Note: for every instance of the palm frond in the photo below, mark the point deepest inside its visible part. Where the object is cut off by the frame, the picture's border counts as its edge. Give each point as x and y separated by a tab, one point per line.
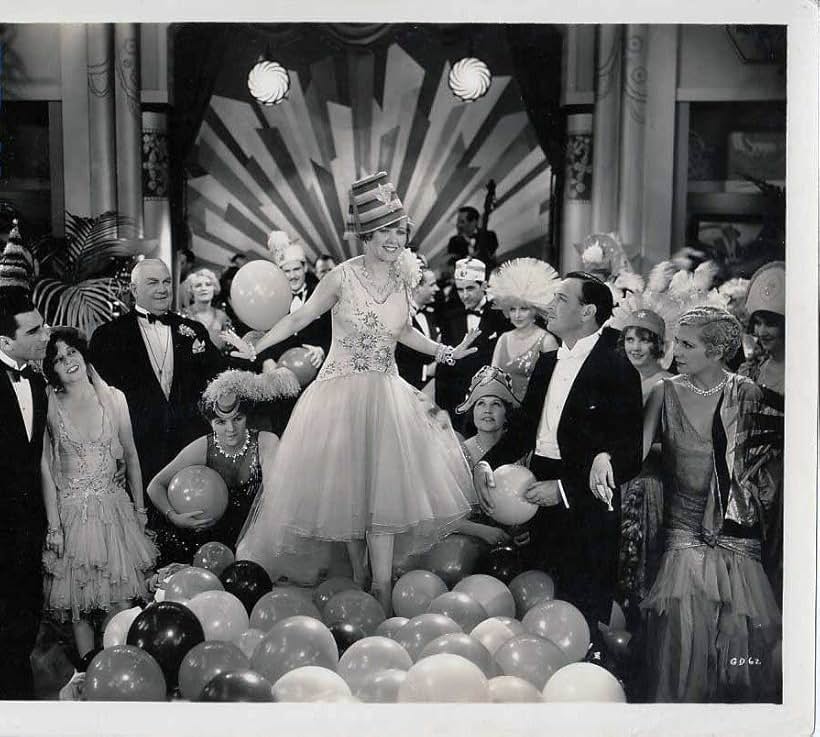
94	243
85	305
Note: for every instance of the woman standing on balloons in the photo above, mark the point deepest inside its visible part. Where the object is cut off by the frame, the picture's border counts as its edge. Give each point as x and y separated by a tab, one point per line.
387	473
713	621
233	450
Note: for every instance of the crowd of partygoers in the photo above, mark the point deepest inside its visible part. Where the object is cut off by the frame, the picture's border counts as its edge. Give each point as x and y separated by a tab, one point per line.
493	481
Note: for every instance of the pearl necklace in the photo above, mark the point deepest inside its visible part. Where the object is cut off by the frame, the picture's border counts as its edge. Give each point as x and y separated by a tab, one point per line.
705	392
239	453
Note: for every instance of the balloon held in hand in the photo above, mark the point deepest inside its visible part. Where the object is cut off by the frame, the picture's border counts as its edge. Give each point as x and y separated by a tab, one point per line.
509	507
199	489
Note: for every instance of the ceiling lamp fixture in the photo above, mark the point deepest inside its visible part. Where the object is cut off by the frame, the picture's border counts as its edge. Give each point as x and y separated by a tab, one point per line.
469	79
269	82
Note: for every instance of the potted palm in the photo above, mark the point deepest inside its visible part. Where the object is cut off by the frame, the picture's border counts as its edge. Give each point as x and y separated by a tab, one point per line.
84	276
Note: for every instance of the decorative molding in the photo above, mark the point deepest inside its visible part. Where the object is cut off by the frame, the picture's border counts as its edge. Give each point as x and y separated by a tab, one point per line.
154	164
128	72
579	168
729	94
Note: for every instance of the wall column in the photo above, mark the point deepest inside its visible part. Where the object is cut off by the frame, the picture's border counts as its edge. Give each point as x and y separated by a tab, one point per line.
101	117
129	125
606	128
576	216
633	130
156	205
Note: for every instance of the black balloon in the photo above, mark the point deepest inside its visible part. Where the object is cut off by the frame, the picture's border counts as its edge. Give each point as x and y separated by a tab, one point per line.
247	581
85	661
346	634
503	563
166	631
237	685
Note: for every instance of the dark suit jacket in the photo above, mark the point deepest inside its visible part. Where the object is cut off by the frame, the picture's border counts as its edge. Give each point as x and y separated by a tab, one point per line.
22	513
162	427
603	413
484	246
452	382
411	363
317	333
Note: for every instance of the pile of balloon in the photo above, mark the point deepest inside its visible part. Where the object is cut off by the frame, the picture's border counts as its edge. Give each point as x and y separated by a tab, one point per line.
220	631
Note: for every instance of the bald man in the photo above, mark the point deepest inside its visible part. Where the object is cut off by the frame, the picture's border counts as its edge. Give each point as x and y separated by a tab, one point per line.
162	362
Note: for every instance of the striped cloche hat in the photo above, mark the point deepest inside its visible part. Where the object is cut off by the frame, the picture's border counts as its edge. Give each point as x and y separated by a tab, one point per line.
374	204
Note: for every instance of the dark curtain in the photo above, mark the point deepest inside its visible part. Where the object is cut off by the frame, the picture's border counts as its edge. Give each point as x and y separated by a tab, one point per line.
197	51
536	58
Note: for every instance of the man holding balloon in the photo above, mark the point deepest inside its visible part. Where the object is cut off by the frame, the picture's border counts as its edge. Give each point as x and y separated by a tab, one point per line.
581	418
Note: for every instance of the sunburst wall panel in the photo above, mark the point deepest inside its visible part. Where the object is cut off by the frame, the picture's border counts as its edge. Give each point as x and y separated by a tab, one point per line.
350	112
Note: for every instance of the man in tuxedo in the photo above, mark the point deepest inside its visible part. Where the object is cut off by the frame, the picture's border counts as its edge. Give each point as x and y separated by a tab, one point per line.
162	362
470	312
469	240
315	338
323	265
23	338
582	419
414	367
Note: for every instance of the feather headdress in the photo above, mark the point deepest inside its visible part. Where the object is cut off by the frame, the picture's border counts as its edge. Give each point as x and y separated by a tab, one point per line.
666	297
528	281
226	390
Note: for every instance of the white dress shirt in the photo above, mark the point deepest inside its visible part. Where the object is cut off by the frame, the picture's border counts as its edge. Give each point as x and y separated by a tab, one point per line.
298	299
563	377
473	320
22	390
160	346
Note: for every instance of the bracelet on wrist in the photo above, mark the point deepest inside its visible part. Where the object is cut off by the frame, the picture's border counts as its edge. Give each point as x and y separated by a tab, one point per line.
444	354
54	530
140	510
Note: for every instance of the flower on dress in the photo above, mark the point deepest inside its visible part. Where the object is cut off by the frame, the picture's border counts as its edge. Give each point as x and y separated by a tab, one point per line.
409	268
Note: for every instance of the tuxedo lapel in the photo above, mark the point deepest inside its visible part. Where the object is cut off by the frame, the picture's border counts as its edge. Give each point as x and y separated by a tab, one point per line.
13	414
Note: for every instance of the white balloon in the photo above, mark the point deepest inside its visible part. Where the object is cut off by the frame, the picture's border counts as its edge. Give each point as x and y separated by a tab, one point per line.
513	690
495	631
445	678
380	687
584	682
116	631
311	683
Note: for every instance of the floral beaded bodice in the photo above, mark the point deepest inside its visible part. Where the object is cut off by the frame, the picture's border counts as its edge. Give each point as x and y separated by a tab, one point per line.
82	466
366	325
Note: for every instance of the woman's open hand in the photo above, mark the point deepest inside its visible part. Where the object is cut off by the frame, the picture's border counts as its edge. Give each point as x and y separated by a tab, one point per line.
463	348
243	348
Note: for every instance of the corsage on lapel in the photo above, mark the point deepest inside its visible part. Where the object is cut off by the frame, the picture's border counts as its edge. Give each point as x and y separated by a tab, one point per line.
198	346
187	331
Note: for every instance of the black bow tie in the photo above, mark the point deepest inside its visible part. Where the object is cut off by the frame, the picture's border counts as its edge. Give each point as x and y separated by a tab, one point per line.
27	372
164	318
477	313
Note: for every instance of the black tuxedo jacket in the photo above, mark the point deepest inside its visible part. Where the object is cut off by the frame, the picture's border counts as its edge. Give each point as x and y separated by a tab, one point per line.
411	363
603	413
22	513
452	382
162	427
317	333
484	247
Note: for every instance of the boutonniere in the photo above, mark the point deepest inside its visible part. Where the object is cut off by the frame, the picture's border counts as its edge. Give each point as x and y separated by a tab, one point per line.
187	331
198	346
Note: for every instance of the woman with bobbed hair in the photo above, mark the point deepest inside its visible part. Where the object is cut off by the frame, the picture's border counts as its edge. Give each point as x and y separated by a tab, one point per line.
196	297
713	621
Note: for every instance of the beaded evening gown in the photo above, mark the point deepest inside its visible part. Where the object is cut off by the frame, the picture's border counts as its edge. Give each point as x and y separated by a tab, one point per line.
243	477
360	454
105	553
520	367
712	618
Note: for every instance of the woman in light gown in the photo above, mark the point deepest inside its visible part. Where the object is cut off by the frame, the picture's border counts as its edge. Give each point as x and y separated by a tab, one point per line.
97	553
363	458
196	297
713	622
522	288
